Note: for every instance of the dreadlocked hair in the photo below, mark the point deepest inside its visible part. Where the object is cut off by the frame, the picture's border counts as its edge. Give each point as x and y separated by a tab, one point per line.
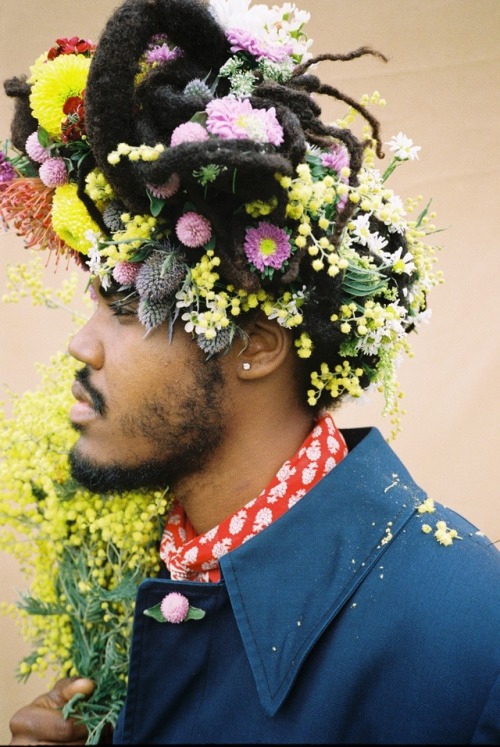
186	136
125	106
23	123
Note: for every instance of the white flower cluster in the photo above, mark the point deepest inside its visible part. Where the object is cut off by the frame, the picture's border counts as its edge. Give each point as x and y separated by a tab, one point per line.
277	26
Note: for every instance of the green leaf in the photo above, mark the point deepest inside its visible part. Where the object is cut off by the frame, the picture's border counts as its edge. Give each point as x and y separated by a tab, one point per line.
156	204
199	118
194	613
155	613
43	137
423	214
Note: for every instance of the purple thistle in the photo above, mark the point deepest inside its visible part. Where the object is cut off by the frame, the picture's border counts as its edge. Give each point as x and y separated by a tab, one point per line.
153	313
159	276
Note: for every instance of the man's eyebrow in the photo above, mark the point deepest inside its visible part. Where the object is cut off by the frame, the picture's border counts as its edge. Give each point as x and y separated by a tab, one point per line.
111	292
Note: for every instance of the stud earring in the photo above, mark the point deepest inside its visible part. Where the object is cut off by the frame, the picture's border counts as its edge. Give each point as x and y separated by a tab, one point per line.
246	366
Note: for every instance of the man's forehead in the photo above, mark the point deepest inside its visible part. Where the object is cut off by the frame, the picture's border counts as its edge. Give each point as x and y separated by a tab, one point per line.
109	292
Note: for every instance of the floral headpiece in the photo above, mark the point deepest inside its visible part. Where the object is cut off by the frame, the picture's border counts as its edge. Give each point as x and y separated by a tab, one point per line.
183	160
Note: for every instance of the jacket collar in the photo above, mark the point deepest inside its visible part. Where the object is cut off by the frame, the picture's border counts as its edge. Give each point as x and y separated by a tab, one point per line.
320	551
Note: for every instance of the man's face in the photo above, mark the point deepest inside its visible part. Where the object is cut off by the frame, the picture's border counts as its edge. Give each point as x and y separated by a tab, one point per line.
149	411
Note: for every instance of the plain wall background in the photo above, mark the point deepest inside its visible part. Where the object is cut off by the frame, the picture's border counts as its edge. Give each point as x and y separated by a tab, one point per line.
441	85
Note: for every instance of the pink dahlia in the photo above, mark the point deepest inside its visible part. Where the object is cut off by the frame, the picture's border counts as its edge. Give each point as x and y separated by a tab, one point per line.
125	273
53	172
336	158
189	132
174	607
193	229
229	118
35	150
242	41
164	191
267	246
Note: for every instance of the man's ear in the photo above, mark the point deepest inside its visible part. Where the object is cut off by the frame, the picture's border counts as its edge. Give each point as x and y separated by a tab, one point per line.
265	349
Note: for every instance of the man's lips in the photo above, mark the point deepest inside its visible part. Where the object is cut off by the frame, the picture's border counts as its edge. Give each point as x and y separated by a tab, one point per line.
84	409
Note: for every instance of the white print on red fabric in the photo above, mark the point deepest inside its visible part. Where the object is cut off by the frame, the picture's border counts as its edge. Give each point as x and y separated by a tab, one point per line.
221	548
296	498
263	519
285	472
277	492
314	451
237	522
191	555
195	557
329	465
208	536
309	473
333	444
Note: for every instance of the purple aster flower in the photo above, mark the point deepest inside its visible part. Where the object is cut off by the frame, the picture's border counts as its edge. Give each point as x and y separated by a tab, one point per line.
164	191
7	171
336	158
193	229
174	607
267	246
189	132
162	53
53	172
35	150
229	118
242	41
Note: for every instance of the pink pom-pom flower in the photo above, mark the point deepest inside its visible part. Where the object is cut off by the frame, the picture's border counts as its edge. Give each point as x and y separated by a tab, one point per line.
35	150
125	273
164	191
189	132
193	230
53	172
174	607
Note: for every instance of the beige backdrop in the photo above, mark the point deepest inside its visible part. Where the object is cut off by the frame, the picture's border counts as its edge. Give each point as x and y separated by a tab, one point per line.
441	85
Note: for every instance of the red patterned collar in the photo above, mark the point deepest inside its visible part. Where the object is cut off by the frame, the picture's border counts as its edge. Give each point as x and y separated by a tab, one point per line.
193	557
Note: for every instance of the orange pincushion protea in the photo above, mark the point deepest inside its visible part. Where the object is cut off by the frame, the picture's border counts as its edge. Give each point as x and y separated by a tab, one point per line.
26	205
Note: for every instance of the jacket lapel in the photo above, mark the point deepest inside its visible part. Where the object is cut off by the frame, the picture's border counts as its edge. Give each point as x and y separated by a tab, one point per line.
289	583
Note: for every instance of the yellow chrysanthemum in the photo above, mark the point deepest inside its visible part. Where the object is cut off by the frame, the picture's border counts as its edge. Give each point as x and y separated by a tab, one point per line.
37	67
57	81
70	218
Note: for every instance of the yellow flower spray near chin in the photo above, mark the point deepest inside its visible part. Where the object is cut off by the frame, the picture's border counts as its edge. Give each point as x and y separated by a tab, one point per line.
82	554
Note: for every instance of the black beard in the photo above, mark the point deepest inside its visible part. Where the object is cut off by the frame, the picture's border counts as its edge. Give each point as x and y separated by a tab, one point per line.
189	445
106	479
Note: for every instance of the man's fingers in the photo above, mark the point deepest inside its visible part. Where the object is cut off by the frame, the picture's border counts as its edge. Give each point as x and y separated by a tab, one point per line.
42	722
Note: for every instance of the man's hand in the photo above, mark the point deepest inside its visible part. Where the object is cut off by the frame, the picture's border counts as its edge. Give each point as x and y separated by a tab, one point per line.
42	721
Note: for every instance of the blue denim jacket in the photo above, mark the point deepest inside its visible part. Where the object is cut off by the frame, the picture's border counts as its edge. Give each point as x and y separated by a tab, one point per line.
340	623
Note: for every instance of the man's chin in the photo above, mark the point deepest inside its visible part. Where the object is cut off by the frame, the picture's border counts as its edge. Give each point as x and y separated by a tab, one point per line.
115	478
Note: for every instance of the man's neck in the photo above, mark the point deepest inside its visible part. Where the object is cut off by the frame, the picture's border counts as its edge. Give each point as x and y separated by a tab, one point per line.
241	469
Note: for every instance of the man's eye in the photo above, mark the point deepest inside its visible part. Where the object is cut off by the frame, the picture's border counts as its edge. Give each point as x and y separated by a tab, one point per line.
123	310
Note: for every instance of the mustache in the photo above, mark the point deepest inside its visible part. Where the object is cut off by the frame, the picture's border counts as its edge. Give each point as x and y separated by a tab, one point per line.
98	402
